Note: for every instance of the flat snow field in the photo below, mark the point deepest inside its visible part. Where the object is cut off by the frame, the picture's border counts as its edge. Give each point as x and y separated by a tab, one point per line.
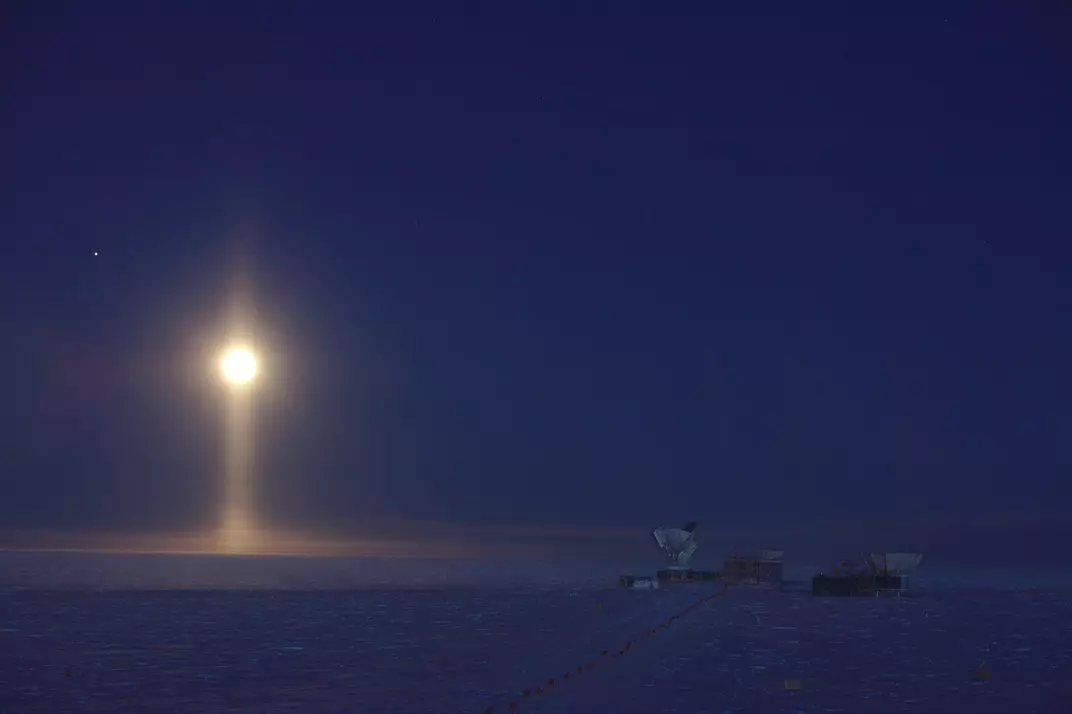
459	648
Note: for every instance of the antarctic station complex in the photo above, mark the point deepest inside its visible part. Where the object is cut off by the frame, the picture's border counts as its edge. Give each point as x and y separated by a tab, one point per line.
880	574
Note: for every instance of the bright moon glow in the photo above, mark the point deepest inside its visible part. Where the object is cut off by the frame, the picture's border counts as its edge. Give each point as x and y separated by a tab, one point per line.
238	366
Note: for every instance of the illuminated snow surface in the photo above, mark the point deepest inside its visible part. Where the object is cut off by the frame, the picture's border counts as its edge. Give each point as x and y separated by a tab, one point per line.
426	637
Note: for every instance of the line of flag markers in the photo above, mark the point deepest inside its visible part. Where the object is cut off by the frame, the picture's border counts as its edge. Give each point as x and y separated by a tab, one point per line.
791	685
529	694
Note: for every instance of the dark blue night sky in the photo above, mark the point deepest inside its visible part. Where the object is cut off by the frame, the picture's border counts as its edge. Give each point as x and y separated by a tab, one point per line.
554	268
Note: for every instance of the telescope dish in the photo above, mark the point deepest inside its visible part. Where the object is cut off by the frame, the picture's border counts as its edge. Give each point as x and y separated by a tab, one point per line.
678	543
895	563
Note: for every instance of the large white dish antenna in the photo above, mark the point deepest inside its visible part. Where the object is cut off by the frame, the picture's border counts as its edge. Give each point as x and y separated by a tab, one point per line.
678	543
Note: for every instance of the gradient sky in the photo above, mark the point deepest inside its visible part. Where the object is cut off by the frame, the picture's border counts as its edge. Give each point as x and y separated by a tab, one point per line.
551	268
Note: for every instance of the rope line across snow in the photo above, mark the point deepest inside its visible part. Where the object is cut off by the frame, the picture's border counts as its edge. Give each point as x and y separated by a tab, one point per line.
531	693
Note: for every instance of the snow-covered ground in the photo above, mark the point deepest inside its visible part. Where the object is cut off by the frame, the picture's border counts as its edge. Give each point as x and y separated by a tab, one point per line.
89	634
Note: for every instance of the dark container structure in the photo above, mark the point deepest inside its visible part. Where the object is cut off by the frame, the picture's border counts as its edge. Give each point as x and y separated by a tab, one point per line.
685	575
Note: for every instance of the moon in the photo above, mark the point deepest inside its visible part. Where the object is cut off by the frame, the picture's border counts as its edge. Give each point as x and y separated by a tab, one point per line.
238	366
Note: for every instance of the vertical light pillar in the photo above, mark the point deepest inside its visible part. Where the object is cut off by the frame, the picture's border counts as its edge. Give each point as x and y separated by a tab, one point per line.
239	367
